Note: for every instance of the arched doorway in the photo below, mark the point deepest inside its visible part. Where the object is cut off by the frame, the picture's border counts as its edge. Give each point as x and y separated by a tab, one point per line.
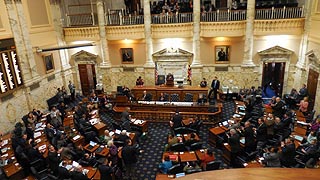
275	63
85	71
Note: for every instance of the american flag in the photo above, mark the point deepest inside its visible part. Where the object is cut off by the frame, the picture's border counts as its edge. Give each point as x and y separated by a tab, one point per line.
156	73
189	74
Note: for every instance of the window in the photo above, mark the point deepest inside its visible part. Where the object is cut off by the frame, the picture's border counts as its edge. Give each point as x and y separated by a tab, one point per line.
10	71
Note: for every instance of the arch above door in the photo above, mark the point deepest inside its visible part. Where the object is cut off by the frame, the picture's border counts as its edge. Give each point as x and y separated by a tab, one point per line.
276	55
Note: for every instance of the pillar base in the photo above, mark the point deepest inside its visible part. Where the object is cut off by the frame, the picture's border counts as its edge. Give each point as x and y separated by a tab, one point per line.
105	65
149	64
248	64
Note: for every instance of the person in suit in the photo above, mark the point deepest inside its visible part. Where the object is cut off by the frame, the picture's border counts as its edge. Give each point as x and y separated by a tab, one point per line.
261	134
201	99
278	108
130	158
234	142
222	56
203	83
53	159
303	92
162	97
62	171
105	170
248	133
72	89
176	120
139	81
288	152
77	174
146	96
272	157
215	85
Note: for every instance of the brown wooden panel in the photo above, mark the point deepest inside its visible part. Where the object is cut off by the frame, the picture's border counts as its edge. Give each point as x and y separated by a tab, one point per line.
312	87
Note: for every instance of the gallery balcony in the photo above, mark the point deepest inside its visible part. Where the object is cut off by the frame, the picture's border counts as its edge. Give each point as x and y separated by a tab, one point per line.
276	21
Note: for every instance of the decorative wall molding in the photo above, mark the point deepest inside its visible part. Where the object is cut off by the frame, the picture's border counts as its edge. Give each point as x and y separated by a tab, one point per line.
125	32
181	30
279	26
81	33
214	29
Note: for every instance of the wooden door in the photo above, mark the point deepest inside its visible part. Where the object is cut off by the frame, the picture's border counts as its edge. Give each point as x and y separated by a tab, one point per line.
87	72
273	76
312	87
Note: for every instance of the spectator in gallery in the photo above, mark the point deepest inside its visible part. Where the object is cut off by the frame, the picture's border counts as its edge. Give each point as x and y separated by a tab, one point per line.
139	81
203	83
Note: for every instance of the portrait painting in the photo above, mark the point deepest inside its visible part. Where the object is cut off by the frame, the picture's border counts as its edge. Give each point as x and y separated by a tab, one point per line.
127	55
49	63
222	54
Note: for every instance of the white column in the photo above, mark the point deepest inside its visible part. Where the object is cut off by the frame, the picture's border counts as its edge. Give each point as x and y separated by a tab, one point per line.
248	44
304	40
147	33
26	38
196	33
19	41
56	17
103	37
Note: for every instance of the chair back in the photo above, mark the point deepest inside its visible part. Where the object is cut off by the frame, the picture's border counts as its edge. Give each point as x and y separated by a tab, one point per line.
175	169
175	98
196	146
213	165
178	147
188	97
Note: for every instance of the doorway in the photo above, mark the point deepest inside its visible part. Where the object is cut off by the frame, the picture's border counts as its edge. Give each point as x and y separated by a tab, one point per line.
312	87
88	79
273	78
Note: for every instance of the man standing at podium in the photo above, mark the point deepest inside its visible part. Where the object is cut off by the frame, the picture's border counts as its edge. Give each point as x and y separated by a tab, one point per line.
215	85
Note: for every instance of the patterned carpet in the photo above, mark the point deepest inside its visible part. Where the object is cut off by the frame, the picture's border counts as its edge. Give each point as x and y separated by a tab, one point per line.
153	144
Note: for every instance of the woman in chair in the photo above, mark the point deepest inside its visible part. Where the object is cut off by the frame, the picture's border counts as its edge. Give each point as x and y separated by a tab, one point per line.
165	165
206	158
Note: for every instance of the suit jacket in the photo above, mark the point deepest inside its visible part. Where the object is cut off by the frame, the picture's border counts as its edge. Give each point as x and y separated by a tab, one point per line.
272	159
63	173
278	109
129	155
234	142
288	154
261	133
177	120
105	172
75	175
248	134
215	85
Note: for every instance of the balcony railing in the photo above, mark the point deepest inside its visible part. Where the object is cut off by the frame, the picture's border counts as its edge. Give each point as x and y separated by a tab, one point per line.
280	13
224	15
173	18
117	18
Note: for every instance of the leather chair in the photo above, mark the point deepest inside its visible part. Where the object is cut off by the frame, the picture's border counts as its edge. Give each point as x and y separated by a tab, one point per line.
175	169
178	147
175	98
213	165
188	97
184	130
196	146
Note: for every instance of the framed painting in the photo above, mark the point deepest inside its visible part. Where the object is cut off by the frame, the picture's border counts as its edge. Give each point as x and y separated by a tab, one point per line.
222	54
49	63
127	55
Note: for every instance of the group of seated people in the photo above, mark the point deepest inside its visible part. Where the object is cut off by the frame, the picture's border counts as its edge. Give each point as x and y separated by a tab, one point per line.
272	137
171	6
62	152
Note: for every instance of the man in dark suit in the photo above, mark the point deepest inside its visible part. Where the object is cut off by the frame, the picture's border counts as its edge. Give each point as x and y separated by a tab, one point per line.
176	120
278	108
234	142
303	92
261	134
248	133
77	174
215	85
288	153
105	170
130	158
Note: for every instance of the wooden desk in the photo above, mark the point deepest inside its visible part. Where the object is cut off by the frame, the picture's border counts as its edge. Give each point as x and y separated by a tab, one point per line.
164	177
186	137
226	153
86	147
104	152
79	141
156	90
187	156
188	121
92	171
100	127
256	173
213	135
142	126
12	169
253	164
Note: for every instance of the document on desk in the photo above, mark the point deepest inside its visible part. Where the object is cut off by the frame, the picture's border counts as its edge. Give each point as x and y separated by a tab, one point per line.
302	123
76	137
37	134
